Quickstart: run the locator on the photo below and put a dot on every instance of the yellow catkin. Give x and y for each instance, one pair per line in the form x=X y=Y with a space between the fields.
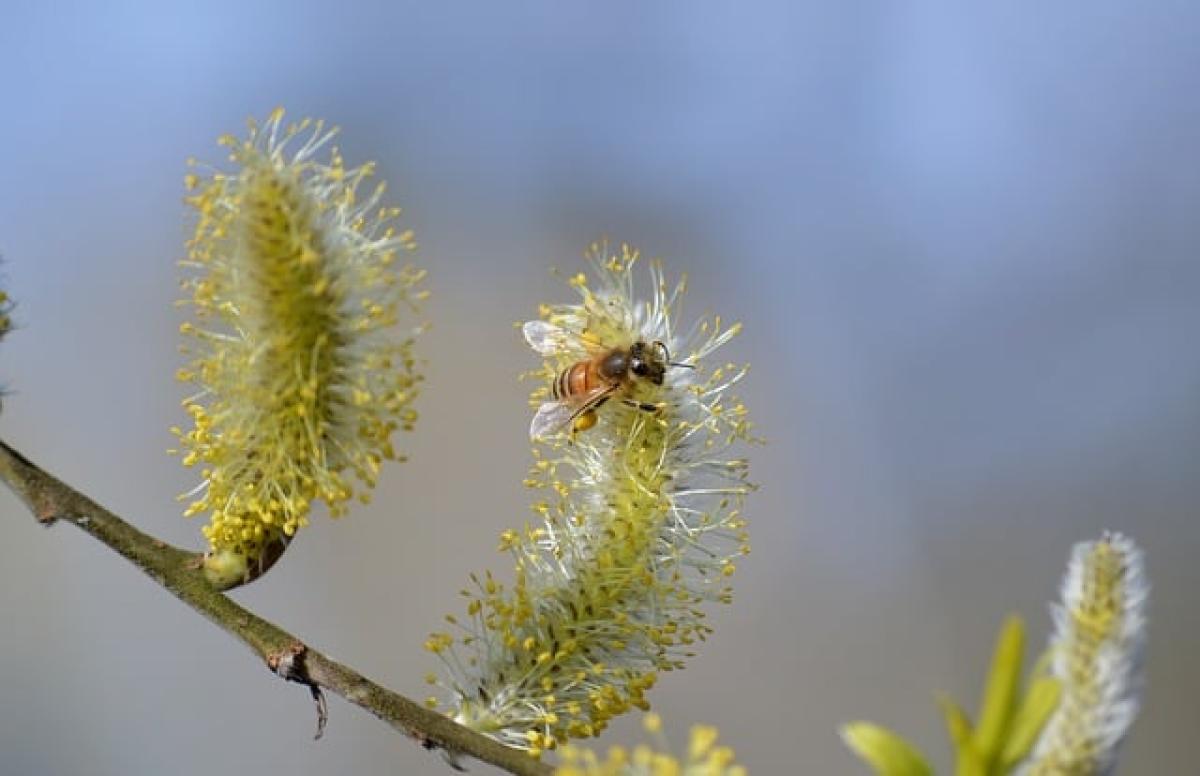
x=705 y=757
x=640 y=516
x=5 y=314
x=302 y=373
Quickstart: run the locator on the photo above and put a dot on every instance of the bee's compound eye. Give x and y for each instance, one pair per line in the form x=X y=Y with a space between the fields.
x=639 y=367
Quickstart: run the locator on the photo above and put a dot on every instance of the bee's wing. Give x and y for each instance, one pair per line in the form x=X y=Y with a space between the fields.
x=550 y=417
x=545 y=337
x=553 y=415
x=551 y=340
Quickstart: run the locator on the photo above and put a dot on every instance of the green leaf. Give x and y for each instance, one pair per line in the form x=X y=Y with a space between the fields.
x=958 y=725
x=1040 y=701
x=966 y=756
x=887 y=753
x=1001 y=693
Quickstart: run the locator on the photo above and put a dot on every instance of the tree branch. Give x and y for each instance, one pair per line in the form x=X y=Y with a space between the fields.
x=285 y=655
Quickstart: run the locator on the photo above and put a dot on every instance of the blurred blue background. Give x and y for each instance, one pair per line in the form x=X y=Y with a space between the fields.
x=963 y=239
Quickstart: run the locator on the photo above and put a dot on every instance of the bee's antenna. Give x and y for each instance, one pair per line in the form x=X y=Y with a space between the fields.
x=667 y=355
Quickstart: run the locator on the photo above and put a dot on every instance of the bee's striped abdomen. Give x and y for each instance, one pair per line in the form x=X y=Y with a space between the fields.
x=573 y=381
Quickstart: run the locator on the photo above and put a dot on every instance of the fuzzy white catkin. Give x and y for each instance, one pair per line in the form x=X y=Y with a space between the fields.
x=1096 y=650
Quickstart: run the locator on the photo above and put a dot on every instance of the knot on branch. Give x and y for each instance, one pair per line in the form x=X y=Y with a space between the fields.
x=288 y=664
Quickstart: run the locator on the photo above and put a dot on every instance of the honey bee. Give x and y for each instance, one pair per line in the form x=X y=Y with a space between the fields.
x=582 y=387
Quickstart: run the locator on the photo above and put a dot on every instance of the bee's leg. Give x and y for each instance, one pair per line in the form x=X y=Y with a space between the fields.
x=585 y=421
x=644 y=406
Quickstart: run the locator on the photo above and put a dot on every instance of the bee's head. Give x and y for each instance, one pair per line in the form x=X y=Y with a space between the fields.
x=649 y=361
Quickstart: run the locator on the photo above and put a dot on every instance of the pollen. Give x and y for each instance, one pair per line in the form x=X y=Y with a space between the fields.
x=704 y=757
x=302 y=370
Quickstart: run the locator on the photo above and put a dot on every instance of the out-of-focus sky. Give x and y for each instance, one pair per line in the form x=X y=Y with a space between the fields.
x=963 y=239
